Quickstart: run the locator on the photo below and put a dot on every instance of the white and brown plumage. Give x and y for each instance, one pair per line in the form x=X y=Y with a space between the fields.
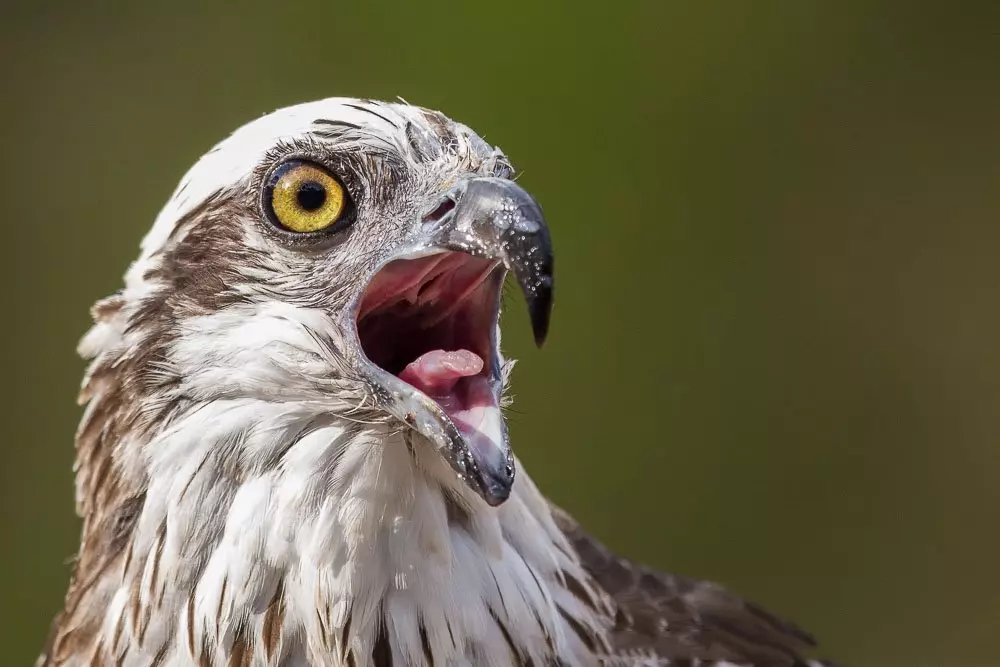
x=293 y=451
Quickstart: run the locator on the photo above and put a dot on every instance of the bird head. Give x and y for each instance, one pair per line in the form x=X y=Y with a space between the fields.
x=344 y=254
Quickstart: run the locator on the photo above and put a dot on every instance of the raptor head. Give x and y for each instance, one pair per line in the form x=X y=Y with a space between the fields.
x=349 y=255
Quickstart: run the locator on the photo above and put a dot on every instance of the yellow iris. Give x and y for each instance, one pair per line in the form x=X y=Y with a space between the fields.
x=305 y=198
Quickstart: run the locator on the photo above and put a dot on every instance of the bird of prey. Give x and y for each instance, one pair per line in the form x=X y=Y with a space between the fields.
x=294 y=452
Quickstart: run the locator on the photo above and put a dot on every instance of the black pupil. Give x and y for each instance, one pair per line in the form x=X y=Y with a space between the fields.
x=311 y=196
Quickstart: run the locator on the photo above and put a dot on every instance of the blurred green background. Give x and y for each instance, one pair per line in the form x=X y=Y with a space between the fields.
x=775 y=360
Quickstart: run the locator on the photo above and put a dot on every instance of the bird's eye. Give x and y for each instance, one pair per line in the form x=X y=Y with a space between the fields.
x=303 y=197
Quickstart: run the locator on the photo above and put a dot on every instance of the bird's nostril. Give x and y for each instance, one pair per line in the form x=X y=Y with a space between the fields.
x=446 y=206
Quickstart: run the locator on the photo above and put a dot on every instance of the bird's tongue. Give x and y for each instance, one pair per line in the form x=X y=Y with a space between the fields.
x=454 y=381
x=437 y=372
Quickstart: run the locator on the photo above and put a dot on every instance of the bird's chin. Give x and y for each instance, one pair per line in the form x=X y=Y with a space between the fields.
x=428 y=329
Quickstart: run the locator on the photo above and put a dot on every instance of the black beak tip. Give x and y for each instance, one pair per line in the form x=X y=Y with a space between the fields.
x=496 y=497
x=496 y=484
x=540 y=313
x=507 y=224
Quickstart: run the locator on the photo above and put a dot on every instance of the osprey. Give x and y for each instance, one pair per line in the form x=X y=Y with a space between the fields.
x=293 y=450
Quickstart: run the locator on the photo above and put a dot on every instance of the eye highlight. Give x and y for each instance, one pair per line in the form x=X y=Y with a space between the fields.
x=303 y=197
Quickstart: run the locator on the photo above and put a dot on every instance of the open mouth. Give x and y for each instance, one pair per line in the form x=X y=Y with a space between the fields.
x=427 y=324
x=431 y=322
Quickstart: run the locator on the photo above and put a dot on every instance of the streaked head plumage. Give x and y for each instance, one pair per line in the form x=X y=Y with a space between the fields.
x=409 y=261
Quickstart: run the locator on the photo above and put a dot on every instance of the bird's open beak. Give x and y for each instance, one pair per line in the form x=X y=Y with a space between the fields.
x=427 y=323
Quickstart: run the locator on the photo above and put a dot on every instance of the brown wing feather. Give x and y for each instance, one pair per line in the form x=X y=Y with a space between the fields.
x=667 y=616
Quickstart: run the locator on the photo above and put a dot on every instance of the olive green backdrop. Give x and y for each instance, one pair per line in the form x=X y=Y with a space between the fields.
x=775 y=359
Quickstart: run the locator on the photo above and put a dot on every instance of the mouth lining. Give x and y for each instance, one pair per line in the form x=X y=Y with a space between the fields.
x=441 y=302
x=431 y=323
x=426 y=332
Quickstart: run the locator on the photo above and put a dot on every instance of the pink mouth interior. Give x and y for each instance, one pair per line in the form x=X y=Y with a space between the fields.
x=437 y=372
x=429 y=321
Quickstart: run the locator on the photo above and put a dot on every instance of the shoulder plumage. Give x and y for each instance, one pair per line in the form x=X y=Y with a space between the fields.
x=670 y=619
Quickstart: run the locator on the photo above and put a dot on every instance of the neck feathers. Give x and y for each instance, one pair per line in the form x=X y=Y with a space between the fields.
x=262 y=532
